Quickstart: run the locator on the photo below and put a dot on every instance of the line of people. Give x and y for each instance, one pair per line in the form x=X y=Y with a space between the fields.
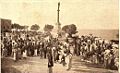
x=89 y=48
x=22 y=48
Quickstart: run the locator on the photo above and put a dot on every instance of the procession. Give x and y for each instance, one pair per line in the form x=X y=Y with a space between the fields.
x=90 y=48
x=84 y=39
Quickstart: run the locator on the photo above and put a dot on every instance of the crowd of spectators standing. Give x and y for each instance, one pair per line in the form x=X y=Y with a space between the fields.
x=87 y=48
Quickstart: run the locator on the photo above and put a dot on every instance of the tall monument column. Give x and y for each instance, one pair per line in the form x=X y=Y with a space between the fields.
x=58 y=21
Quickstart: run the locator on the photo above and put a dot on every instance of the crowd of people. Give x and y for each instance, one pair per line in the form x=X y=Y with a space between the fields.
x=99 y=51
x=87 y=48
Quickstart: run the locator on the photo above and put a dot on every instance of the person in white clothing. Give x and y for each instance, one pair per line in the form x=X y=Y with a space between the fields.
x=69 y=60
x=15 y=55
x=35 y=52
x=25 y=54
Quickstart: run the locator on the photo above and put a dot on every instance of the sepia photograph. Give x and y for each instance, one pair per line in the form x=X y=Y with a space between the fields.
x=59 y=36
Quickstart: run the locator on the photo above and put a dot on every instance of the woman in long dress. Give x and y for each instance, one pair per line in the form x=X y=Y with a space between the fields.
x=15 y=55
x=25 y=54
x=35 y=52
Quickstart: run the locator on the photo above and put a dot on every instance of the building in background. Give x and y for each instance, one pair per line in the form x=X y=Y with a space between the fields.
x=5 y=25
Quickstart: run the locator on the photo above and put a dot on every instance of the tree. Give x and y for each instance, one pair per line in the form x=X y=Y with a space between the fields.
x=70 y=29
x=48 y=28
x=16 y=26
x=35 y=27
x=65 y=28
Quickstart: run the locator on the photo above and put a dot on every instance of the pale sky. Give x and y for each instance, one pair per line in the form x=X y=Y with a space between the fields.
x=86 y=14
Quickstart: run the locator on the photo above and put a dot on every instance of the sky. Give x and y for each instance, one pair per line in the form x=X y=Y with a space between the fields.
x=85 y=14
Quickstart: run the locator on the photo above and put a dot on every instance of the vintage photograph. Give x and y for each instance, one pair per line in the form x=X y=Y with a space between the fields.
x=59 y=36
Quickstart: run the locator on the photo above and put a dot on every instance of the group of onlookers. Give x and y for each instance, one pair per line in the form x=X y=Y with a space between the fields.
x=99 y=51
x=88 y=48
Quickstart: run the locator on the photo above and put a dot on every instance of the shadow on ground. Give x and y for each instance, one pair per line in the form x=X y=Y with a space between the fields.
x=6 y=66
x=8 y=63
x=9 y=70
x=85 y=67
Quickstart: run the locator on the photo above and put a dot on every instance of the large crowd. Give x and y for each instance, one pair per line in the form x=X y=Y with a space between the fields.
x=87 y=48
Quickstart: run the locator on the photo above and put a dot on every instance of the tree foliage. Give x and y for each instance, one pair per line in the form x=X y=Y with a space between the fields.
x=35 y=27
x=17 y=26
x=70 y=29
x=48 y=28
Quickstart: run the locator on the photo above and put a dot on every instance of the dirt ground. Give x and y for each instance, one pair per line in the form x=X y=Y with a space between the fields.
x=37 y=65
